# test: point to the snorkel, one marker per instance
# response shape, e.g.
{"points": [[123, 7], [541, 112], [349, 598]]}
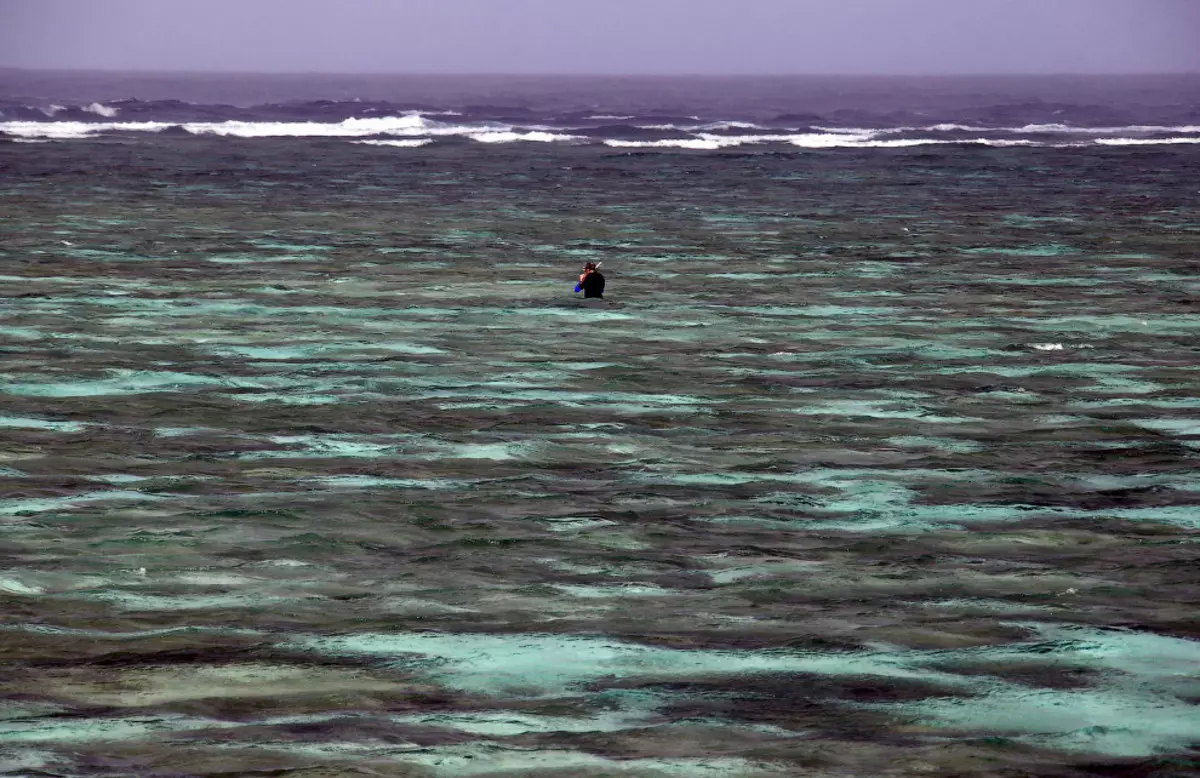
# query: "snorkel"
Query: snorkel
{"points": [[587, 269]]}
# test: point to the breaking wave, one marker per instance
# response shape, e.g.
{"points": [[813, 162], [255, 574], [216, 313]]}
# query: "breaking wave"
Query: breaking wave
{"points": [[408, 143], [387, 124], [1144, 141], [100, 109], [509, 136]]}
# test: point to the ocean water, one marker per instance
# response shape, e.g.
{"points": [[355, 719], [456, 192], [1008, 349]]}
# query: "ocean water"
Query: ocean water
{"points": [[879, 457]]}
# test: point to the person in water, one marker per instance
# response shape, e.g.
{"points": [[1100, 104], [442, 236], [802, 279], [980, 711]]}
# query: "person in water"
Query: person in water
{"points": [[591, 282]]}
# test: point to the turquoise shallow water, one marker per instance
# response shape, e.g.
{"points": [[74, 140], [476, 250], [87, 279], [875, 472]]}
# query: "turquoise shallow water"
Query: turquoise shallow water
{"points": [[332, 473]]}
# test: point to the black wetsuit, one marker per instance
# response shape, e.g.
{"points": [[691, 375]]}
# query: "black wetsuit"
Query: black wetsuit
{"points": [[593, 284]]}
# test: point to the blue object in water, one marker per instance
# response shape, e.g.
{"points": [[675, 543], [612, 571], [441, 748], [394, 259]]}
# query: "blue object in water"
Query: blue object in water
{"points": [[578, 287]]}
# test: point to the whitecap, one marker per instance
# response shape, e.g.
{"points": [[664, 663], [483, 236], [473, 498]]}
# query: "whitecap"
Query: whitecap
{"points": [[957, 128], [69, 130], [100, 109], [728, 125], [1003, 143], [677, 143], [1145, 141], [407, 143], [509, 136], [861, 130], [1132, 129], [406, 125], [862, 140]]}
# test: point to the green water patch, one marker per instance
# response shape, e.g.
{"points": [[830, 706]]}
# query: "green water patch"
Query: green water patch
{"points": [[120, 478], [29, 422], [301, 398], [1133, 710], [17, 586], [817, 311], [311, 350], [131, 601], [1029, 281], [614, 591], [1036, 222], [408, 446], [1103, 377], [101, 254], [126, 382], [509, 723], [407, 250], [467, 236], [879, 409], [1135, 713], [35, 505], [574, 313], [1041, 250], [182, 432], [23, 332], [1149, 324], [859, 293], [740, 276], [880, 500], [1170, 426], [984, 606], [576, 523], [727, 570], [256, 259], [949, 445], [534, 665], [93, 222], [299, 248], [496, 391], [380, 482], [52, 730], [331, 446]]}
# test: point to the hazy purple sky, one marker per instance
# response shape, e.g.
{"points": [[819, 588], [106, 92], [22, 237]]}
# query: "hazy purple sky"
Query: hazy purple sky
{"points": [[605, 36]]}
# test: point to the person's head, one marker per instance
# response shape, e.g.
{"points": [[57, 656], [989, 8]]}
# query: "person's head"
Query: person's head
{"points": [[590, 266]]}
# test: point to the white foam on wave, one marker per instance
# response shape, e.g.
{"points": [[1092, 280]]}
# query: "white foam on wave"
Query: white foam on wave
{"points": [[709, 142], [1145, 141], [729, 126], [670, 143], [1028, 129], [861, 130], [608, 117], [957, 128], [422, 129], [1009, 143], [407, 143], [701, 128], [1073, 130], [814, 140], [406, 125], [509, 136], [100, 109], [70, 130]]}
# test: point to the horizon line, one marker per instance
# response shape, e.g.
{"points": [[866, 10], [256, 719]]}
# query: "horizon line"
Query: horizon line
{"points": [[614, 74]]}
